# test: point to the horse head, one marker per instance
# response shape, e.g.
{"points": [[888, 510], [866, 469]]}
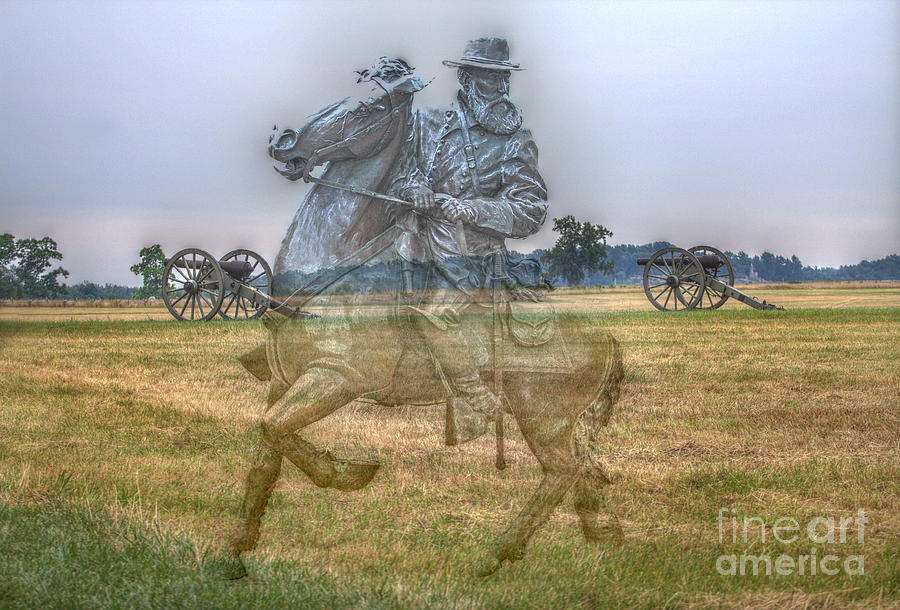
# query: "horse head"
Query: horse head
{"points": [[349, 129], [283, 148]]}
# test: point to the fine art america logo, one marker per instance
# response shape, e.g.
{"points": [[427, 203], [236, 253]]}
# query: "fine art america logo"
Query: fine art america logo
{"points": [[787, 530]]}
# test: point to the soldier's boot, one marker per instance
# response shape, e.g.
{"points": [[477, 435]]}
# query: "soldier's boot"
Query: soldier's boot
{"points": [[474, 407]]}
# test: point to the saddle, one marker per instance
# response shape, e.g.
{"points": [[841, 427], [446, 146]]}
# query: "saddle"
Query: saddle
{"points": [[532, 338], [531, 321]]}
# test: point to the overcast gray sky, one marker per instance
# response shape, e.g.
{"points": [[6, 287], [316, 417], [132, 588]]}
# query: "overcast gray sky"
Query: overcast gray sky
{"points": [[743, 125]]}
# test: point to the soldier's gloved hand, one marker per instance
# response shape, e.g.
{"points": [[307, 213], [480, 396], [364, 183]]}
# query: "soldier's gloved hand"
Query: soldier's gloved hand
{"points": [[422, 197], [455, 210]]}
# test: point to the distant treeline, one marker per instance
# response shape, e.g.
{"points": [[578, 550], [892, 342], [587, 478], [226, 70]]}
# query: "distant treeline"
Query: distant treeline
{"points": [[86, 291], [92, 291], [765, 267]]}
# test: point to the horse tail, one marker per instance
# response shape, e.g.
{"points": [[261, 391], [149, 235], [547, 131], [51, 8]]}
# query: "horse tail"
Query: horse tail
{"points": [[607, 358]]}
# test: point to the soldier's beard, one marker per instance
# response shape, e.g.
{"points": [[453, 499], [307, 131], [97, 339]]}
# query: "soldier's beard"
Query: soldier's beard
{"points": [[498, 116]]}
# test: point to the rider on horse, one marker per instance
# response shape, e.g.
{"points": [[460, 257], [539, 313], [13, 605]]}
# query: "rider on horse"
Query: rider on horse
{"points": [[479, 155], [470, 177]]}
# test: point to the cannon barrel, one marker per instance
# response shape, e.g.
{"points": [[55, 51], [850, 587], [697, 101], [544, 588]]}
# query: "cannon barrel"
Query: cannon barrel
{"points": [[236, 269]]}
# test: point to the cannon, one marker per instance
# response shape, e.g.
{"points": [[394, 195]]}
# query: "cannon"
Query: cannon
{"points": [[698, 278], [196, 286]]}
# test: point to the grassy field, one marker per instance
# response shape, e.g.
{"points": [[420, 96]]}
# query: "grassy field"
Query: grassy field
{"points": [[125, 436]]}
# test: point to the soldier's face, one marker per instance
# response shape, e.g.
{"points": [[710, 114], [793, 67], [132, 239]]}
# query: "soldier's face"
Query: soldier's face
{"points": [[490, 84], [487, 94]]}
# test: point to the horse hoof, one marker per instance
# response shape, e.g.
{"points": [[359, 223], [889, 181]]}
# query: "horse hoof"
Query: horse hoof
{"points": [[350, 476], [230, 567], [611, 533], [488, 566]]}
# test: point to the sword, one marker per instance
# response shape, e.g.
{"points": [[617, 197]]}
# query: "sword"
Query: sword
{"points": [[358, 190], [496, 352]]}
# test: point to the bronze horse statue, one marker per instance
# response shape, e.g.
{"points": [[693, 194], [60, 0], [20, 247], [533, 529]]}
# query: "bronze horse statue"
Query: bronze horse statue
{"points": [[559, 375]]}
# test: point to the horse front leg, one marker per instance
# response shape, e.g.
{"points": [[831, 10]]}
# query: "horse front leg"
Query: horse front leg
{"points": [[316, 394], [258, 489]]}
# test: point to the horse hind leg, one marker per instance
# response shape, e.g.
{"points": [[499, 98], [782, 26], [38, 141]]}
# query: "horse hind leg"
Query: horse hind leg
{"points": [[549, 437], [548, 425], [551, 442], [511, 545], [597, 524]]}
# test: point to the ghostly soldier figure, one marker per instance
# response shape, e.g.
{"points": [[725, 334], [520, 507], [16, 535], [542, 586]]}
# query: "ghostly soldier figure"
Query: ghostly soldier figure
{"points": [[478, 154]]}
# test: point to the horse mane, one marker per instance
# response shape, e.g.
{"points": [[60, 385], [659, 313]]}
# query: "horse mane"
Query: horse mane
{"points": [[385, 69]]}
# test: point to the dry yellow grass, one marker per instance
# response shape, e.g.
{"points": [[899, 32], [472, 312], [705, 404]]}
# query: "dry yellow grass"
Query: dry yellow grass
{"points": [[774, 414], [86, 311]]}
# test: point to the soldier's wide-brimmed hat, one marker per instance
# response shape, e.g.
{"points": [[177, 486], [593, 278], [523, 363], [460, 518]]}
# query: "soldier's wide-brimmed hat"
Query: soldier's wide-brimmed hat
{"points": [[486, 53]]}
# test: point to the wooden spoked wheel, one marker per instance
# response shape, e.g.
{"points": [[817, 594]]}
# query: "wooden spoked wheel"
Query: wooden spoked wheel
{"points": [[712, 298], [256, 274], [193, 285], [674, 277]]}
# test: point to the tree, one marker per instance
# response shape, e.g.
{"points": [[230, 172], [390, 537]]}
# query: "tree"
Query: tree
{"points": [[7, 249], [34, 258], [86, 290], [9, 286], [580, 249], [151, 267], [24, 267]]}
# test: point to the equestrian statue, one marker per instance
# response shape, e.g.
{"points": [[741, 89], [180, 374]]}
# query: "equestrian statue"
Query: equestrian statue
{"points": [[432, 194]]}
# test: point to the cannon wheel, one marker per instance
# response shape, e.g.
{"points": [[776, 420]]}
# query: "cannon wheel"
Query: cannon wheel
{"points": [[193, 285], [713, 299], [260, 277], [673, 276]]}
